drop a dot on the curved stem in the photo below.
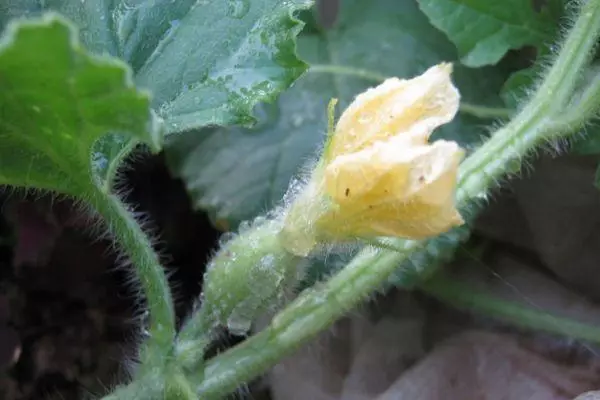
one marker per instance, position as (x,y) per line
(136,245)
(532,125)
(115,163)
(461,295)
(316,309)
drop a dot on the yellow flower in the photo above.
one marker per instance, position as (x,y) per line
(380,176)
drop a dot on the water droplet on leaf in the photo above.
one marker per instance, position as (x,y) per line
(238,8)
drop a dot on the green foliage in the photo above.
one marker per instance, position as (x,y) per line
(483,31)
(236,173)
(56,101)
(68,118)
(205,62)
(211,62)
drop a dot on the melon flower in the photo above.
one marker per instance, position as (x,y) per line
(379,174)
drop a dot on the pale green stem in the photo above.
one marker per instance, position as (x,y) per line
(461,295)
(478,111)
(138,248)
(348,71)
(485,112)
(316,309)
(115,163)
(587,105)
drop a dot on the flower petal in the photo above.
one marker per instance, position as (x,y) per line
(393,188)
(395,106)
(369,176)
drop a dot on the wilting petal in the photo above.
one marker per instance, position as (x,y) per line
(396,107)
(393,189)
(379,175)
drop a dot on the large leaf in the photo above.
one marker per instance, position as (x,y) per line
(205,62)
(212,61)
(484,30)
(238,173)
(56,101)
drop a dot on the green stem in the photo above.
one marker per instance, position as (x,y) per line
(577,116)
(312,312)
(316,309)
(115,163)
(134,242)
(461,295)
(533,124)
(348,71)
(485,112)
(142,389)
(478,111)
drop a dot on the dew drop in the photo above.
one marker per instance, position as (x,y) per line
(267,262)
(238,8)
(238,325)
(226,237)
(260,220)
(244,226)
(297,120)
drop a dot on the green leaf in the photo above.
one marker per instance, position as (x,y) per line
(516,87)
(238,173)
(93,18)
(211,62)
(56,101)
(483,30)
(205,61)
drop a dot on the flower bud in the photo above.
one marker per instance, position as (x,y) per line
(249,276)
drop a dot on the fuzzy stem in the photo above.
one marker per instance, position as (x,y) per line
(579,113)
(316,309)
(136,245)
(115,163)
(531,126)
(463,296)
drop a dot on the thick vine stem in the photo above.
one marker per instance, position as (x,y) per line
(316,309)
(461,295)
(137,247)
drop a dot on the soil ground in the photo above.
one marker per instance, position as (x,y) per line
(68,312)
